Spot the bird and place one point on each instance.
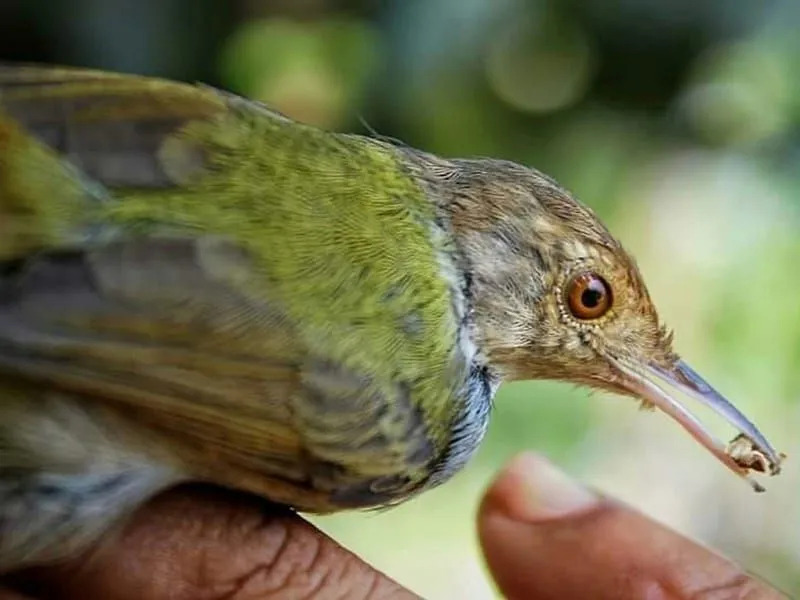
(195, 287)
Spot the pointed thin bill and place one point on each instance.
(695, 386)
(685, 379)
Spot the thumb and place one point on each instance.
(546, 536)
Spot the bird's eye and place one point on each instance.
(588, 296)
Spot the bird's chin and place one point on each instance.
(749, 451)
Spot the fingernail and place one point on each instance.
(538, 491)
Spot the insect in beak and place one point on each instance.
(748, 451)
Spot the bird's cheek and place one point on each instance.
(582, 349)
(573, 345)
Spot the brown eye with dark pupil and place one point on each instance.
(588, 296)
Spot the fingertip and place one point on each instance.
(531, 489)
(545, 536)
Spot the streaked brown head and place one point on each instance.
(557, 297)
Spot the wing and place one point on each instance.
(153, 328)
(265, 295)
(68, 135)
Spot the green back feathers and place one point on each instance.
(343, 235)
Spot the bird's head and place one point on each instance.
(555, 296)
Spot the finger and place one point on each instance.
(544, 536)
(197, 543)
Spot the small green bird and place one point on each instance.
(194, 287)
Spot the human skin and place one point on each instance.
(543, 536)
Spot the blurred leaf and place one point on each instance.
(314, 72)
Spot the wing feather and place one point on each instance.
(154, 328)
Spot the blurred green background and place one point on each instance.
(678, 121)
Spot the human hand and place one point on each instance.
(543, 536)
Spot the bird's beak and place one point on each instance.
(749, 451)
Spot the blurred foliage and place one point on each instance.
(314, 71)
(679, 122)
